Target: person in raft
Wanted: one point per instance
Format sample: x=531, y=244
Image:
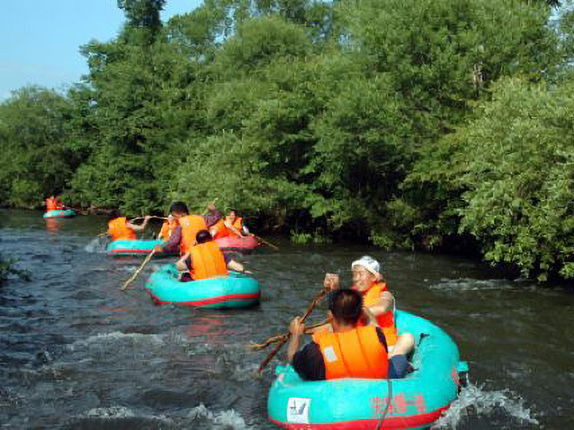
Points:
x=231, y=225
x=183, y=235
x=120, y=228
x=379, y=302
x=350, y=350
x=205, y=260
x=167, y=228
x=54, y=203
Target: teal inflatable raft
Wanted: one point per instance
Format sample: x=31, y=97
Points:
x=344, y=404
x=233, y=291
x=134, y=247
x=60, y=213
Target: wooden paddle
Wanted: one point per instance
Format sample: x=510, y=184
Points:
x=281, y=337
x=260, y=239
x=137, y=272
x=152, y=216
x=284, y=341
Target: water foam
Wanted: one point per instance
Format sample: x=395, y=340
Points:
x=467, y=284
x=481, y=402
x=229, y=419
x=96, y=245
x=118, y=337
x=121, y=412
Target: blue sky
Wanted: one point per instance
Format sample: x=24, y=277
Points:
x=40, y=39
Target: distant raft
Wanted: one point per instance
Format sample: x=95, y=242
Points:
x=417, y=401
x=135, y=247
x=60, y=213
x=222, y=292
x=235, y=243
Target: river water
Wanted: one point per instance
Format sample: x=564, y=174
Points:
x=78, y=353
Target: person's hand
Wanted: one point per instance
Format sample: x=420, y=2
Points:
x=158, y=248
x=147, y=218
x=211, y=207
x=331, y=281
x=249, y=272
x=296, y=328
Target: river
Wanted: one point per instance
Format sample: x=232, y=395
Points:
x=78, y=353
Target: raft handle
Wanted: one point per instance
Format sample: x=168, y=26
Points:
x=423, y=335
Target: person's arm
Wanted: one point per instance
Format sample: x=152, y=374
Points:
x=296, y=329
x=385, y=304
x=234, y=230
x=136, y=227
x=172, y=245
x=212, y=216
x=182, y=264
x=235, y=265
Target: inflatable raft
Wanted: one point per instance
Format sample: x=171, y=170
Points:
x=134, y=247
x=233, y=291
x=344, y=404
x=235, y=243
x=60, y=213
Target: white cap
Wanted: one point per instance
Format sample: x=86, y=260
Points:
x=368, y=263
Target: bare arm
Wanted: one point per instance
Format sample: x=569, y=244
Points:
x=181, y=264
x=386, y=303
x=296, y=329
x=136, y=227
x=234, y=265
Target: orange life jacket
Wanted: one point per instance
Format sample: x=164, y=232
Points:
x=167, y=229
x=50, y=204
x=208, y=261
x=357, y=353
x=190, y=225
x=387, y=320
x=221, y=230
x=118, y=229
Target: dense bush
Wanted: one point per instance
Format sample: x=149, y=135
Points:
x=370, y=119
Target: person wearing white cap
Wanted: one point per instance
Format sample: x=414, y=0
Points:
x=379, y=303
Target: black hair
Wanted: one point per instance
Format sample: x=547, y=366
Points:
x=346, y=305
x=113, y=214
x=179, y=207
x=203, y=236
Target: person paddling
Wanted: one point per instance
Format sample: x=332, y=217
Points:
x=351, y=350
x=231, y=225
x=120, y=228
x=184, y=234
x=205, y=260
x=54, y=203
x=379, y=302
x=167, y=228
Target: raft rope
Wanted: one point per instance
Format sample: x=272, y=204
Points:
x=390, y=395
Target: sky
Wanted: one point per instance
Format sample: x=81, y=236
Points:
x=40, y=39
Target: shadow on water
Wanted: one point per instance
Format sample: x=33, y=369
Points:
x=77, y=353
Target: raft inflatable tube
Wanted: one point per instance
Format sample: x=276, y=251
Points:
x=60, y=213
x=235, y=243
x=344, y=404
x=223, y=292
x=135, y=247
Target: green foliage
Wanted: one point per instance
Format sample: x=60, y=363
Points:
x=510, y=173
x=362, y=119
x=39, y=156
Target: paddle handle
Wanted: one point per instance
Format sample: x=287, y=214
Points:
x=280, y=344
x=137, y=272
x=260, y=239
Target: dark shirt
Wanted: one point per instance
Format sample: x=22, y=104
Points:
x=309, y=363
x=172, y=245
